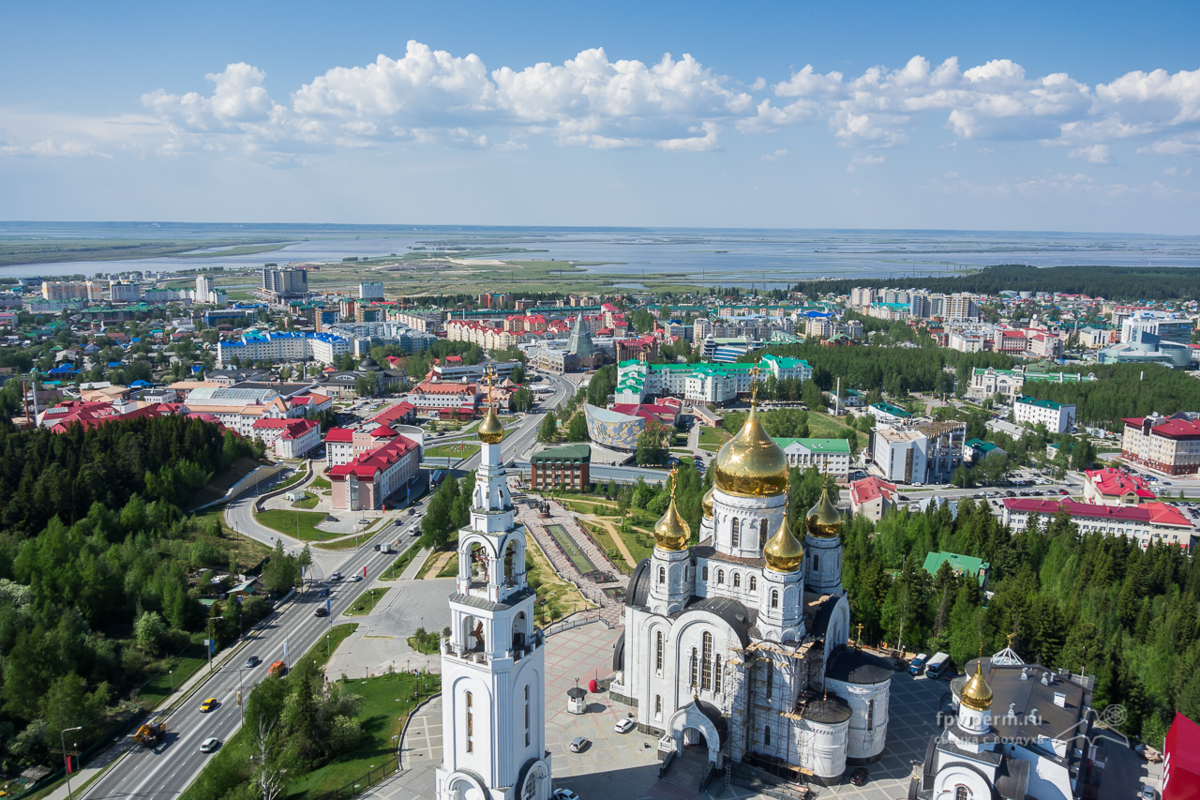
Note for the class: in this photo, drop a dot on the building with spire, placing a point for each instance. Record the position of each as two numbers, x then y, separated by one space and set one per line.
493 665
582 353
1021 731
735 647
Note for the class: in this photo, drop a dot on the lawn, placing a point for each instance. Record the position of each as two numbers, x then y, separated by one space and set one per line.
301 525
823 426
365 603
182 667
450 569
320 482
400 564
461 450
310 500
300 474
604 539
249 552
560 596
711 439
216 488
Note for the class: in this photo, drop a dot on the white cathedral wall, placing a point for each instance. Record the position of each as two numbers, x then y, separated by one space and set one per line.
723 579
950 777
1047 780
750 513
864 743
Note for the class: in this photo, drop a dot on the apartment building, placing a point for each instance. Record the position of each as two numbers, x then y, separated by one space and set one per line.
1148 523
279 346
1057 417
287 438
370 290
366 481
66 291
1166 444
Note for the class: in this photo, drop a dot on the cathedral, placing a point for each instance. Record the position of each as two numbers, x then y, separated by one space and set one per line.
493 665
736 649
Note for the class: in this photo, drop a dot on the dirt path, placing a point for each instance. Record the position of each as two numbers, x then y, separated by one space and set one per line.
616 537
439 563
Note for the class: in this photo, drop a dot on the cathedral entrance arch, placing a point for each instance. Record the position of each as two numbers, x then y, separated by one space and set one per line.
693 726
465 786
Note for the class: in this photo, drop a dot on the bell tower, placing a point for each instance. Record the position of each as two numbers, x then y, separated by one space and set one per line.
493 666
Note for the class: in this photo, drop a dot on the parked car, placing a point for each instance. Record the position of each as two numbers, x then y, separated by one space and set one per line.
859 776
564 794
210 744
252 662
376 548
625 726
578 744
1147 793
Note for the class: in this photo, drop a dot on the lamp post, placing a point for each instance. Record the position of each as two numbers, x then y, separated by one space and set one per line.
210 642
171 675
67 756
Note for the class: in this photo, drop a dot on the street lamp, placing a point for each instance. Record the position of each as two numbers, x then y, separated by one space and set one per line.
210 642
66 756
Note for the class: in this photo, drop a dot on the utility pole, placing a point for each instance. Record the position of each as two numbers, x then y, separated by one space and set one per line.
67 754
210 641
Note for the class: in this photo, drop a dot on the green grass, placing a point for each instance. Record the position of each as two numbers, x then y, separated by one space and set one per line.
602 537
159 687
298 476
450 570
711 439
365 602
321 482
310 501
823 426
297 524
400 564
462 450
335 636
429 646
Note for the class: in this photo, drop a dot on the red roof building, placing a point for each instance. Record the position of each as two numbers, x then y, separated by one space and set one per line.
1148 523
1166 444
399 414
662 413
1181 760
368 480
872 497
1116 487
288 437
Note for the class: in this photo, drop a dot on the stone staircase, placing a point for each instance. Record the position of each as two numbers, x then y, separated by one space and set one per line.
687 771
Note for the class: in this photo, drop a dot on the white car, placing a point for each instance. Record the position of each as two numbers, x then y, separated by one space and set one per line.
625 726
210 744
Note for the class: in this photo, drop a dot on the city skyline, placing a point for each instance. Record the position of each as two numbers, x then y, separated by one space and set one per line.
777 116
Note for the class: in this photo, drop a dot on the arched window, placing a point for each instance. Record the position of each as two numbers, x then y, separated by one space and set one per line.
470 726
753 583
762 532
706 662
767 735
704 574
720 577
737 579
695 668
870 715
961 793
736 534
662 574
658 652
527 715
774 598
717 674
816 562
770 679
658 706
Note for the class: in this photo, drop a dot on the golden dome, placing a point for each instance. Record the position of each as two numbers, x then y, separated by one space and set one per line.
823 520
491 430
671 532
751 464
783 552
976 694
706 503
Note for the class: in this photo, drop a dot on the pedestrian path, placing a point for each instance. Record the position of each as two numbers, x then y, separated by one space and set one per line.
414 566
618 540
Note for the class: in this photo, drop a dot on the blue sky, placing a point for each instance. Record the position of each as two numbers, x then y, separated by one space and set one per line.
1037 116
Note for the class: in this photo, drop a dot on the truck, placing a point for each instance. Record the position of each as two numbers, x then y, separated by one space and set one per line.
937 665
386 547
277 669
150 734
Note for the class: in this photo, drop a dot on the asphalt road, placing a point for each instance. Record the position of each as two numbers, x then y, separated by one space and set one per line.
167 770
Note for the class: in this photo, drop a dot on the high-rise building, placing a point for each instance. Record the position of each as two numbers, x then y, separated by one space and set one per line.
284 282
124 292
372 290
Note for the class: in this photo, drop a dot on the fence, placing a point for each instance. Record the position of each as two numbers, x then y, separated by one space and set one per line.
575 620
373 777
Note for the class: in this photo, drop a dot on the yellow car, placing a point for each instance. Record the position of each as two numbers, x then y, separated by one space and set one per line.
208 705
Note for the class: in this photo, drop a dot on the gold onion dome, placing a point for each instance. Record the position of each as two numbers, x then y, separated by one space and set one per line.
751 464
706 503
976 694
823 520
783 552
671 532
491 430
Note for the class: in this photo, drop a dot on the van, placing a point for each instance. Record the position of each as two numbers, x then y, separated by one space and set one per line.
277 669
917 664
937 665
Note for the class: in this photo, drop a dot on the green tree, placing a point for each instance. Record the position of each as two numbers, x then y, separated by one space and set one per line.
577 428
149 631
548 429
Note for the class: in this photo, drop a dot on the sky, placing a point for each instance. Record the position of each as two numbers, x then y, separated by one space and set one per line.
1066 116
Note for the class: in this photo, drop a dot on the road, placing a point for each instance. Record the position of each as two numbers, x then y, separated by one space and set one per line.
168 769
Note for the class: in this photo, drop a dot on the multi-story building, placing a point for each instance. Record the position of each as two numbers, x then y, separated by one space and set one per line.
924 452
1166 444
288 438
437 395
986 382
284 282
961 308
365 482
1116 487
424 321
1044 345
888 414
207 293
1164 325
283 346
1147 523
124 292
564 467
701 383
872 498
1057 417
65 291
370 290
365 335
862 297
830 456
343 445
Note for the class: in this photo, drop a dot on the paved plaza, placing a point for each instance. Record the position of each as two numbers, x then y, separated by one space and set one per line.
625 766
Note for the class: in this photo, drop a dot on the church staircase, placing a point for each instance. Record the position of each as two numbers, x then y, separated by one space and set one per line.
688 770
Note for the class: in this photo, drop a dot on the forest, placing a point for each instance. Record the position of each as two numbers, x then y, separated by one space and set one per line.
102 574
1122 390
1094 604
1112 283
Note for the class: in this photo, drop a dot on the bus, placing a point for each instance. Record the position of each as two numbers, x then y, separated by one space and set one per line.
937 665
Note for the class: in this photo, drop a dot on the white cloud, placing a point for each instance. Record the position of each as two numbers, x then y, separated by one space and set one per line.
695 144
778 154
1095 154
863 160
1187 144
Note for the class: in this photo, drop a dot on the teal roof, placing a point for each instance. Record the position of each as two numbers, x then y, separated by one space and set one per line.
1030 401
980 444
816 445
567 454
888 408
965 565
